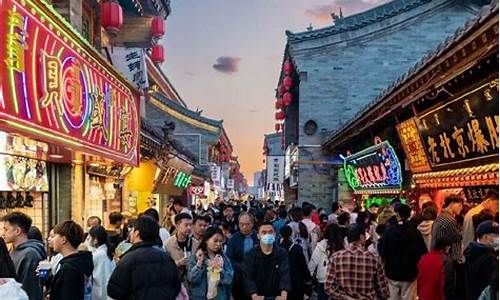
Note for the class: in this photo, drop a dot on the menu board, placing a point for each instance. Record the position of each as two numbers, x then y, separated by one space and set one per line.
23 174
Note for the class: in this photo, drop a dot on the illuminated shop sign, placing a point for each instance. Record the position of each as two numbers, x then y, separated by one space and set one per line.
463 129
182 180
54 87
374 169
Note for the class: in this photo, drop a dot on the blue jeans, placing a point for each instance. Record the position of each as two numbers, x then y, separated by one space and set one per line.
321 292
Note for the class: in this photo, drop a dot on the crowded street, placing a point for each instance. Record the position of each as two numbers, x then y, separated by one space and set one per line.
249 150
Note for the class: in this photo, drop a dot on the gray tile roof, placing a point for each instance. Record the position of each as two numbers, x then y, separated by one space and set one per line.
187 112
486 12
357 21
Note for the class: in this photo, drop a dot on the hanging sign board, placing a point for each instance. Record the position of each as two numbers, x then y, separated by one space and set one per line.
463 129
56 88
375 169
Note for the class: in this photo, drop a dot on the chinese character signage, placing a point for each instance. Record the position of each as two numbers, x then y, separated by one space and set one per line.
56 88
463 129
374 169
275 169
131 63
412 145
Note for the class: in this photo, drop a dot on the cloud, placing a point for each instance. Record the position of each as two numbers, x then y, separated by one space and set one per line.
322 13
253 110
189 73
227 64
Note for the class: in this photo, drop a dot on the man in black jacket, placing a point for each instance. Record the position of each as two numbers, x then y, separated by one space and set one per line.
481 259
401 247
144 272
73 279
266 268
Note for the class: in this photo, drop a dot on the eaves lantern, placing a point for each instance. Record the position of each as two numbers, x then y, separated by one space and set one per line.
279 104
280 115
111 17
157 54
287 82
281 90
287 98
277 127
157 27
287 67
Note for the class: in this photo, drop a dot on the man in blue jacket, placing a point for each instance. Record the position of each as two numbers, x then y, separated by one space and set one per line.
237 247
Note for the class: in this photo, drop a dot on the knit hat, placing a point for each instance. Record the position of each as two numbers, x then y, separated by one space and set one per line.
486 227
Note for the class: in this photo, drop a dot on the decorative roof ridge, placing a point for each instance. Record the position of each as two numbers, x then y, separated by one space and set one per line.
148 128
484 13
271 135
186 111
359 20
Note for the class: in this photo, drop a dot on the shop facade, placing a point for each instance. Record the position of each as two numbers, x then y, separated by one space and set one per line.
441 116
66 105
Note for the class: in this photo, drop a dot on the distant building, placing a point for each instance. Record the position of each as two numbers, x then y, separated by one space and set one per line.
275 167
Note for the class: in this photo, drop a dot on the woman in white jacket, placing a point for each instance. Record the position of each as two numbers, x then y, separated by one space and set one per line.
320 259
103 262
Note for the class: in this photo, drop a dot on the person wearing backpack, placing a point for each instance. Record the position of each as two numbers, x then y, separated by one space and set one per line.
299 274
320 260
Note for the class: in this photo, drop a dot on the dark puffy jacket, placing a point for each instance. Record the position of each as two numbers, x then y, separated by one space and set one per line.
73 280
480 262
401 247
266 275
144 273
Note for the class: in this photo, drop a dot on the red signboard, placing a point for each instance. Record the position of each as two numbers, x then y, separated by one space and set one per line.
54 87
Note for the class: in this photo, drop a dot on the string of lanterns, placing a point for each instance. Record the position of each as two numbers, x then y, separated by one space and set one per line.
285 97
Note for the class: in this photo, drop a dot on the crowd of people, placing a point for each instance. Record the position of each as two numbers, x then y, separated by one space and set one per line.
260 250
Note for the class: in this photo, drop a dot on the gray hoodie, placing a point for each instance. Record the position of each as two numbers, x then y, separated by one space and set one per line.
26 258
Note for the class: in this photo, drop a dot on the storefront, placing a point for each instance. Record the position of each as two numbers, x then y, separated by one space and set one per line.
442 116
58 90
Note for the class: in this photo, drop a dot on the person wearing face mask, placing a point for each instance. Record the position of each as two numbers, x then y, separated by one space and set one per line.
266 267
481 257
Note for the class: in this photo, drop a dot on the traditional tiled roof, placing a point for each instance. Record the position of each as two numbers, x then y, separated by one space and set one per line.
485 13
187 112
183 150
357 21
151 131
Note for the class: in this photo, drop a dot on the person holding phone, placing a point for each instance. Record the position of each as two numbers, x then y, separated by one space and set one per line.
210 274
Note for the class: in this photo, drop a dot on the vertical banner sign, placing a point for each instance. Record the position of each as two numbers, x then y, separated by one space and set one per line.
463 129
131 62
55 87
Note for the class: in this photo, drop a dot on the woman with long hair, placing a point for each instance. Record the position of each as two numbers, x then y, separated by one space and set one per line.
210 274
102 256
320 259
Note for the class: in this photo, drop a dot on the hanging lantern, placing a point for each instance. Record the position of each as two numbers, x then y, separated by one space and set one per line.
287 67
111 17
280 115
287 82
157 54
157 27
281 90
279 104
277 127
287 98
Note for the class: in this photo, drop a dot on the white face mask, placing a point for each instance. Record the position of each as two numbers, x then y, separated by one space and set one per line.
494 243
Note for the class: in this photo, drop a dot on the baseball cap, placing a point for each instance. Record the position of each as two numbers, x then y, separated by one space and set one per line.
486 227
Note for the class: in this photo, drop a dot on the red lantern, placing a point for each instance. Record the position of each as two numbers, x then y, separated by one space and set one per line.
287 98
281 90
279 104
277 127
111 17
157 55
157 27
280 115
287 67
287 82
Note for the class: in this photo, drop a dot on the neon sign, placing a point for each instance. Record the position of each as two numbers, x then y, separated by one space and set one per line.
374 169
182 180
54 87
